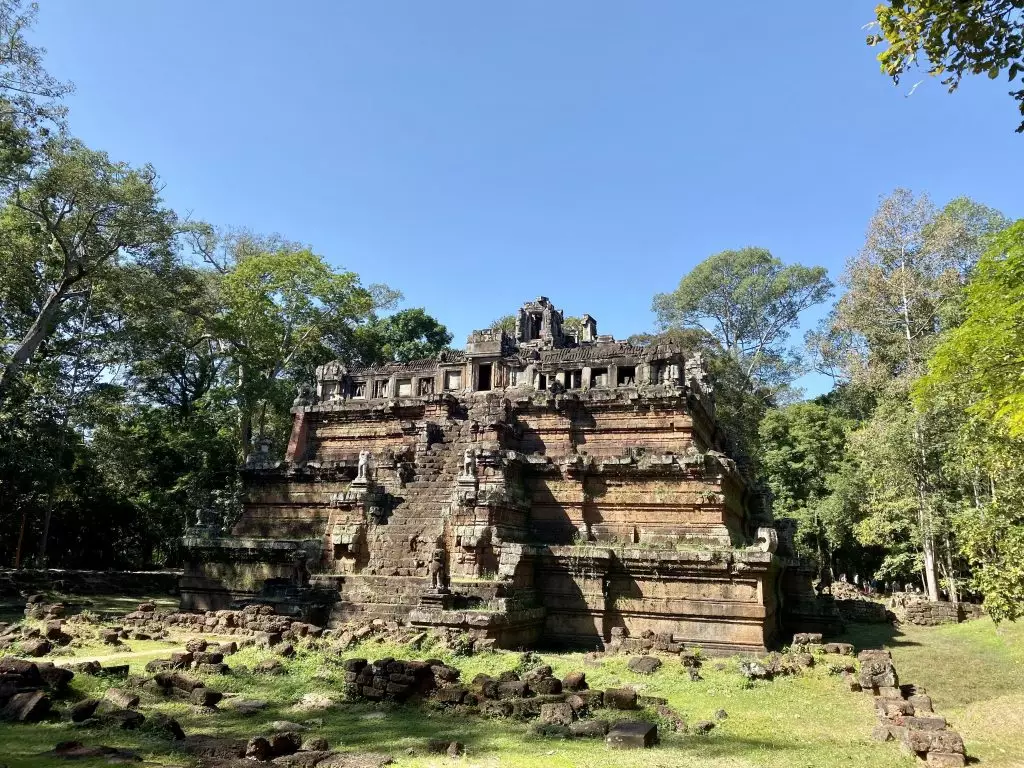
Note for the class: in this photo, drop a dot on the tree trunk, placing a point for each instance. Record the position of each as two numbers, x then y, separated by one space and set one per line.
36 335
954 594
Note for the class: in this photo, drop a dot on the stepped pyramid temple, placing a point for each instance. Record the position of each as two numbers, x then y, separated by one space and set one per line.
537 488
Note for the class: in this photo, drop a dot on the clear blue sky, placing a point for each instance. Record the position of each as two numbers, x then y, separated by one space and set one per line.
477 154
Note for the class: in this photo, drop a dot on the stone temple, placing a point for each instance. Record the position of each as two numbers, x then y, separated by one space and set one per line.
537 488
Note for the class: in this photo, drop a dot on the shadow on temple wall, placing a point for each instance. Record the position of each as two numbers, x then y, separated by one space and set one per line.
581 421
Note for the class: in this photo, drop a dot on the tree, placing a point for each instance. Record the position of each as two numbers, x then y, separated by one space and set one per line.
976 369
30 95
506 323
803 446
410 334
69 222
982 358
904 287
750 302
956 38
285 311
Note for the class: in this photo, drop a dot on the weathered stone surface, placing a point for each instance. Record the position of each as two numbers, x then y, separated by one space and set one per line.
116 698
588 729
557 713
205 697
36 648
632 735
644 665
620 698
258 748
83 710
483 457
843 649
26 707
546 686
514 689
575 681
945 760
126 719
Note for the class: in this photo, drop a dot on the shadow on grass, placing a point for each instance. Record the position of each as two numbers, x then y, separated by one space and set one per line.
870 636
393 729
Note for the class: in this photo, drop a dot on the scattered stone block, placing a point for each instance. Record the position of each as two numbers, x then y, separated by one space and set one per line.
634 734
703 727
26 707
588 729
269 667
644 665
115 698
945 760
205 697
513 689
125 719
37 647
575 681
842 649
83 710
807 638
620 698
258 748
925 723
560 713
546 686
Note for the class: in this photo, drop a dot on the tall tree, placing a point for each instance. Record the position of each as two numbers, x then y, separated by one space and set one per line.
903 289
69 223
30 96
975 370
750 302
803 447
286 310
956 37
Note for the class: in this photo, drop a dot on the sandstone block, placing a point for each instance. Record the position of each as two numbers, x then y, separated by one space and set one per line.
620 698
632 735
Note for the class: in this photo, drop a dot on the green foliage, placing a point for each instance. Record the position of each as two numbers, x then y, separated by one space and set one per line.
506 323
983 357
803 448
974 370
750 302
956 38
410 334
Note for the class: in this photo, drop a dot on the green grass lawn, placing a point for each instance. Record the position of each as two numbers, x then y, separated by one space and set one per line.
800 721
974 673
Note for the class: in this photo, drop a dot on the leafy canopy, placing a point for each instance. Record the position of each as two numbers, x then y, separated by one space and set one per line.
410 334
983 357
957 37
750 301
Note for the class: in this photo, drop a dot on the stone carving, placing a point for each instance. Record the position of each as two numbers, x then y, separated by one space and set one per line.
469 463
767 539
259 457
363 469
438 570
208 523
300 569
304 396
